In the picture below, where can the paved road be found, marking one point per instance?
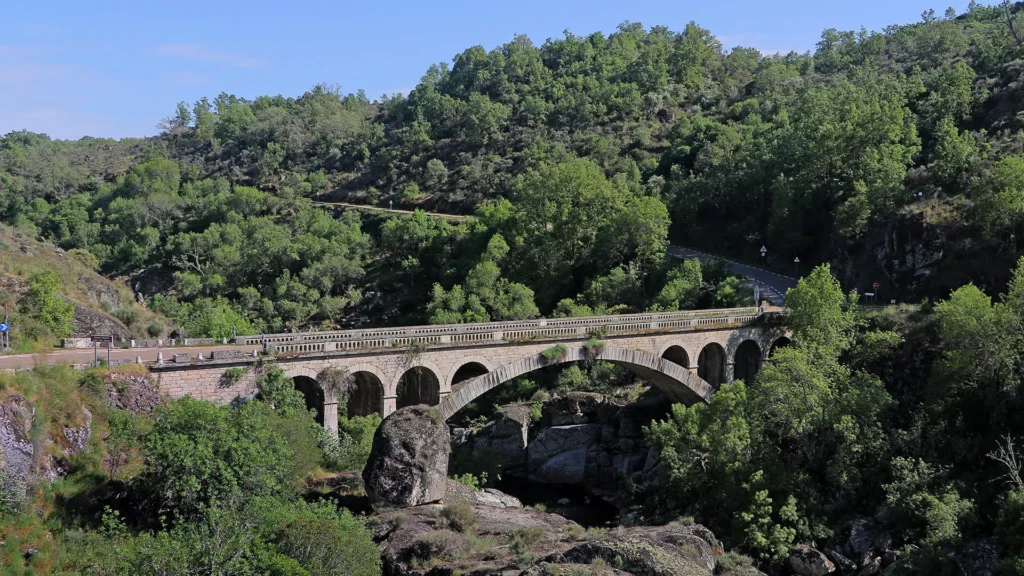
(79, 356)
(389, 210)
(773, 286)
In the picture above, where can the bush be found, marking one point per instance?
(330, 543)
(199, 454)
(43, 302)
(127, 316)
(459, 517)
(469, 480)
(593, 347)
(555, 353)
(442, 545)
(524, 538)
(351, 449)
(155, 329)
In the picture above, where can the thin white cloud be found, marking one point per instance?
(202, 53)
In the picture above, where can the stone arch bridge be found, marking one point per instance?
(686, 355)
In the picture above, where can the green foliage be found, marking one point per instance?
(524, 538)
(200, 454)
(459, 517)
(468, 479)
(122, 439)
(555, 353)
(355, 439)
(929, 512)
(43, 302)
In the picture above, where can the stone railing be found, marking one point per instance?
(498, 332)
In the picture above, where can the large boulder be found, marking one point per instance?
(408, 463)
(806, 561)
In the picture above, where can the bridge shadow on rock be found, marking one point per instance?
(673, 380)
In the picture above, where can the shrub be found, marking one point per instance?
(127, 316)
(350, 450)
(199, 454)
(555, 353)
(536, 411)
(459, 517)
(593, 347)
(43, 302)
(468, 479)
(123, 437)
(330, 543)
(155, 329)
(524, 538)
(576, 532)
(442, 545)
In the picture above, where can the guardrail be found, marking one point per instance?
(498, 332)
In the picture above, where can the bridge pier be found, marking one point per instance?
(331, 417)
(390, 405)
(730, 371)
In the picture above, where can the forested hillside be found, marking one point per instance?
(581, 156)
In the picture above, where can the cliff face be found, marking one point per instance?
(924, 252)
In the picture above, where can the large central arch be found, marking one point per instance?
(676, 382)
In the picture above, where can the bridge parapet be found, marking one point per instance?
(497, 331)
(504, 332)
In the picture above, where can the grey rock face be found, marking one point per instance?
(559, 455)
(408, 463)
(15, 423)
(505, 439)
(806, 561)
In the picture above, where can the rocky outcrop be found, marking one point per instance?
(136, 394)
(459, 492)
(806, 561)
(559, 455)
(408, 463)
(15, 423)
(651, 551)
(505, 439)
(581, 438)
(499, 545)
(86, 321)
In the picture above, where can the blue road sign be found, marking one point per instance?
(5, 327)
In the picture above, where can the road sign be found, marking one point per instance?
(102, 339)
(876, 285)
(869, 294)
(763, 250)
(5, 327)
(796, 260)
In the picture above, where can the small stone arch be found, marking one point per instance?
(293, 370)
(676, 382)
(469, 369)
(418, 385)
(312, 393)
(676, 354)
(747, 361)
(780, 342)
(711, 364)
(365, 395)
(486, 363)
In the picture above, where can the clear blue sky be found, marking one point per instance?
(70, 68)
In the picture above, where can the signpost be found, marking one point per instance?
(5, 332)
(796, 261)
(763, 252)
(101, 339)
